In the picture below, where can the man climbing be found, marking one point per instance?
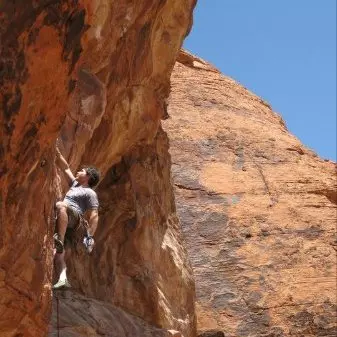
(80, 206)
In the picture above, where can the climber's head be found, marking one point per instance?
(88, 176)
(93, 174)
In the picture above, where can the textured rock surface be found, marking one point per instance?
(77, 316)
(94, 73)
(258, 210)
(211, 333)
(139, 262)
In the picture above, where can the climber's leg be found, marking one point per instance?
(61, 267)
(61, 226)
(68, 218)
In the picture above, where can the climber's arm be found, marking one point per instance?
(92, 217)
(64, 166)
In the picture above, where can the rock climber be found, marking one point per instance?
(79, 207)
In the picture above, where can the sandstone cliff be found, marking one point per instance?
(96, 75)
(258, 210)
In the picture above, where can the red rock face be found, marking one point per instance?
(39, 50)
(94, 74)
(258, 210)
(139, 262)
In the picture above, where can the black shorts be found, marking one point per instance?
(74, 219)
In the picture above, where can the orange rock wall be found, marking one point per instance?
(140, 263)
(258, 210)
(94, 74)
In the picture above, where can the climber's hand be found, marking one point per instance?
(89, 243)
(58, 153)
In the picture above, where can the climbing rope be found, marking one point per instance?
(57, 317)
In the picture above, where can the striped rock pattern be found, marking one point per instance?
(258, 210)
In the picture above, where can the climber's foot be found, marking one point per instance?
(62, 284)
(58, 244)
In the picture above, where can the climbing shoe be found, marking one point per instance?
(62, 284)
(59, 246)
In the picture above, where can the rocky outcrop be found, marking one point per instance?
(139, 262)
(258, 210)
(96, 75)
(77, 316)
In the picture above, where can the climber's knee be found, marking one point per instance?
(61, 206)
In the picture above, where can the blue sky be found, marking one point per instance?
(282, 50)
